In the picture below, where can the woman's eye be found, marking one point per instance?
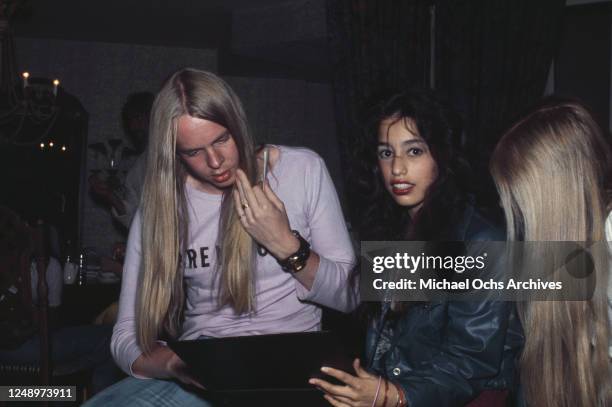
(384, 154)
(415, 151)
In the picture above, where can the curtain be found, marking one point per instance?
(373, 45)
(491, 61)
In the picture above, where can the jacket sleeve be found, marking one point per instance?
(472, 350)
(334, 285)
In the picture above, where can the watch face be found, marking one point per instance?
(297, 261)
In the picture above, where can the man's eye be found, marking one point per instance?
(384, 154)
(191, 153)
(223, 139)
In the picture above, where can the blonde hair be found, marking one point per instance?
(550, 169)
(201, 95)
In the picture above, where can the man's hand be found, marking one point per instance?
(264, 217)
(163, 363)
(101, 190)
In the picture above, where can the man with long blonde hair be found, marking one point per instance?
(214, 252)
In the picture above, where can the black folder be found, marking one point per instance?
(263, 363)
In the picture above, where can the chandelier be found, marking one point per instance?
(29, 106)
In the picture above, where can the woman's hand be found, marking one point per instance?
(163, 363)
(264, 217)
(359, 391)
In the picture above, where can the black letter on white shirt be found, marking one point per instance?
(192, 258)
(204, 256)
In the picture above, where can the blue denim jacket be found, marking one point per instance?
(446, 353)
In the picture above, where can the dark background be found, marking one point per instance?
(302, 68)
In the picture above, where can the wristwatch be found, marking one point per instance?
(297, 261)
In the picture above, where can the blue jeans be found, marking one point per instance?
(147, 392)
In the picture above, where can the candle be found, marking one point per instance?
(56, 83)
(25, 75)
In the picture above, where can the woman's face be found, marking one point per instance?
(405, 161)
(209, 153)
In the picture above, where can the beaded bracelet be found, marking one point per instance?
(397, 400)
(401, 397)
(386, 390)
(403, 402)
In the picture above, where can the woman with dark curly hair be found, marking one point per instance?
(437, 353)
(432, 136)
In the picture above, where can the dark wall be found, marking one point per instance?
(101, 75)
(582, 64)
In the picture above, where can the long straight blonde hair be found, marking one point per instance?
(550, 169)
(160, 304)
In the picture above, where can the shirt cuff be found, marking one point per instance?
(303, 293)
(331, 288)
(131, 359)
(135, 354)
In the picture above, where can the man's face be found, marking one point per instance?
(138, 130)
(209, 153)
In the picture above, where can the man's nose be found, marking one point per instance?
(214, 159)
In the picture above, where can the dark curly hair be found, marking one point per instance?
(381, 218)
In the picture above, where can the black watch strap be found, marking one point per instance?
(297, 261)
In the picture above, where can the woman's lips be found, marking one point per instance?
(224, 176)
(402, 188)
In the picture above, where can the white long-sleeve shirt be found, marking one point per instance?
(301, 180)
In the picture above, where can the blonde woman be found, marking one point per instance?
(214, 253)
(550, 169)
